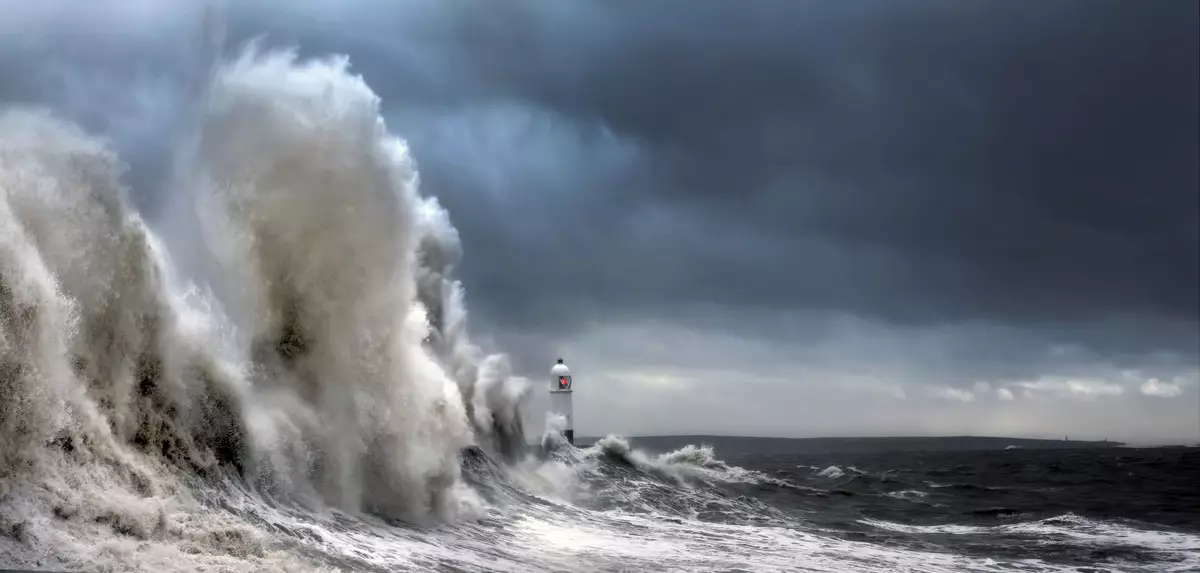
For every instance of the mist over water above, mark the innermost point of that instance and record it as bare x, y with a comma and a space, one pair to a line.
278, 376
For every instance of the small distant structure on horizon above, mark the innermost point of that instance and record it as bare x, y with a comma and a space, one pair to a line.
560, 398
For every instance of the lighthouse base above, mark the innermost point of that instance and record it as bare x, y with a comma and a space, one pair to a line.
560, 405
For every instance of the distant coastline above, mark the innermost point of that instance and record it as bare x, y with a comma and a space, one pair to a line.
737, 444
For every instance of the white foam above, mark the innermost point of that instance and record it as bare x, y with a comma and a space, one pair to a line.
908, 494
832, 472
1183, 548
564, 538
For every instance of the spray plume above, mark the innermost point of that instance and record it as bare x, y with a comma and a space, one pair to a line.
314, 345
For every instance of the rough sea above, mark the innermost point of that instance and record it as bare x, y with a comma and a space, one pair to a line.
1037, 507
273, 372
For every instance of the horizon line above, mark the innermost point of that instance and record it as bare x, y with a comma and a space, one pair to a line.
1066, 439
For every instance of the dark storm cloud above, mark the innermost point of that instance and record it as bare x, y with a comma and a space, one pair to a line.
915, 162
724, 164
122, 70
912, 161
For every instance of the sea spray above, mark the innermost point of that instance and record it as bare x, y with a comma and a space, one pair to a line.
94, 353
313, 348
312, 219
491, 393
105, 399
337, 271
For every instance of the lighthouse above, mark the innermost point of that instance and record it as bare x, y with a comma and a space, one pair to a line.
560, 398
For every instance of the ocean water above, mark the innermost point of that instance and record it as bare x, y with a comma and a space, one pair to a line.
1110, 509
275, 373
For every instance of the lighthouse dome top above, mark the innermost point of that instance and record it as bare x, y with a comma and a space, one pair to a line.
560, 369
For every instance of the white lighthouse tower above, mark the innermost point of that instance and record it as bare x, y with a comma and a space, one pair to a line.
560, 398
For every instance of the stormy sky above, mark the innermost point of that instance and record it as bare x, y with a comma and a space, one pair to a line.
788, 217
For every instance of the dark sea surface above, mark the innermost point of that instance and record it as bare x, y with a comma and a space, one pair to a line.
1073, 506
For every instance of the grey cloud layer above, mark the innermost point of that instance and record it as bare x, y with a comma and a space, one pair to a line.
912, 162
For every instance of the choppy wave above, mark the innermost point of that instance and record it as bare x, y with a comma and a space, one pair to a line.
278, 376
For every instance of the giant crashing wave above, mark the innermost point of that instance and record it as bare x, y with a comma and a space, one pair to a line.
321, 358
